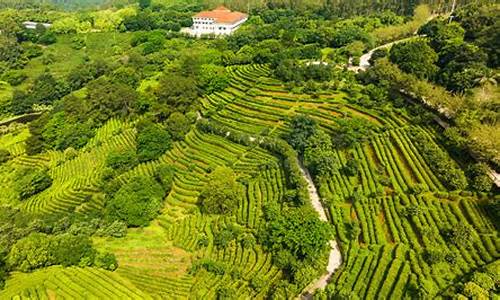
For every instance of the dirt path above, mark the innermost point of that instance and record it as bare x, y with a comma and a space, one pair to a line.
335, 258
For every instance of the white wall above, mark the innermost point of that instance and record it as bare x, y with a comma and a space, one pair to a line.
202, 26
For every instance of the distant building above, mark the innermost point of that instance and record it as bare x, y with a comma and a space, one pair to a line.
220, 21
32, 25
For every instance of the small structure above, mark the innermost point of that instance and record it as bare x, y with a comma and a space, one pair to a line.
220, 21
32, 25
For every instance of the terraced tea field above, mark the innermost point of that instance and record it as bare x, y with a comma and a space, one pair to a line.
383, 237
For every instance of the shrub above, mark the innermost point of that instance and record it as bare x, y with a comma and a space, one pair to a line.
257, 283
40, 250
152, 141
137, 202
440, 162
178, 125
225, 292
165, 176
479, 179
298, 231
4, 156
14, 77
106, 261
32, 181
209, 265
221, 194
122, 161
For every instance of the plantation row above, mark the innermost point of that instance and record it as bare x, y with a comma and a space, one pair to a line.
389, 163
256, 104
256, 107
391, 221
70, 283
13, 140
199, 154
374, 273
391, 249
76, 174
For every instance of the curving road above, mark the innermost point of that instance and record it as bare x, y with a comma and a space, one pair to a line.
335, 258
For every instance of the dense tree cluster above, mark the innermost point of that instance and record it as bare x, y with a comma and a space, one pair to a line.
136, 202
222, 192
31, 182
30, 241
294, 236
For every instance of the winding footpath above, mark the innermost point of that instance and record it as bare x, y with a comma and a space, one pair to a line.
335, 258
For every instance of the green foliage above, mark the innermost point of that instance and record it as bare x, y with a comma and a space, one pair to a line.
14, 77
302, 127
137, 202
165, 176
415, 57
318, 155
144, 4
106, 261
484, 280
225, 292
122, 161
349, 34
221, 193
178, 126
474, 291
290, 70
209, 265
459, 235
351, 132
177, 92
297, 231
440, 162
152, 141
106, 100
127, 76
61, 132
32, 181
441, 32
39, 250
212, 78
4, 156
479, 179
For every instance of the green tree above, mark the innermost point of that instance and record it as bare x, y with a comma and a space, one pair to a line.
127, 76
415, 57
122, 161
32, 181
178, 92
165, 176
212, 78
479, 179
4, 156
30, 253
298, 231
152, 141
106, 261
302, 127
107, 100
221, 193
319, 156
178, 126
143, 4
137, 202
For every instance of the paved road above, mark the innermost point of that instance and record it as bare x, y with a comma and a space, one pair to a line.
335, 258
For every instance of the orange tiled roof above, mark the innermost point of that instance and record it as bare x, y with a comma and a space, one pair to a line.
222, 15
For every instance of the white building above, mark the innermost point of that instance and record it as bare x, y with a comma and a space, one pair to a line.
32, 25
220, 21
